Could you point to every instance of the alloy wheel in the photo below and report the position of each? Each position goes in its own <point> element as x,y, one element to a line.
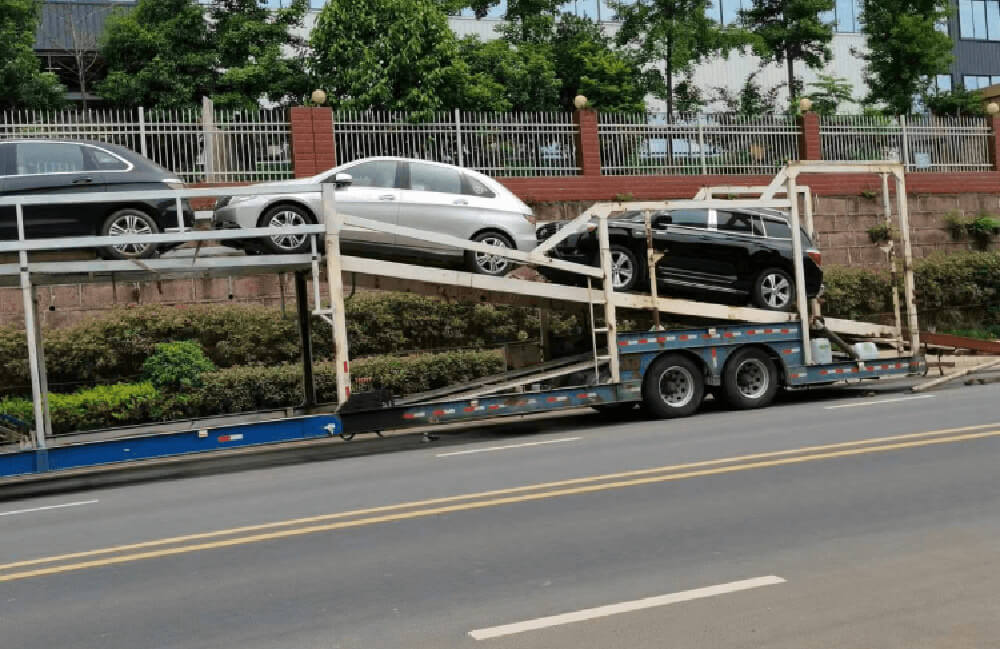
<point>776,290</point>
<point>622,269</point>
<point>284,219</point>
<point>130,224</point>
<point>752,378</point>
<point>676,386</point>
<point>492,264</point>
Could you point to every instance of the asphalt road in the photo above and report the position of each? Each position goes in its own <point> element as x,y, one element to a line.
<point>868,522</point>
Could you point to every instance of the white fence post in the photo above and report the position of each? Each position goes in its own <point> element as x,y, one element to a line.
<point>701,144</point>
<point>142,132</point>
<point>458,137</point>
<point>208,131</point>
<point>906,144</point>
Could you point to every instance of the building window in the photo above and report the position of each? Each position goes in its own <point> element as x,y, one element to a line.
<point>846,16</point>
<point>942,83</point>
<point>979,19</point>
<point>979,81</point>
<point>727,12</point>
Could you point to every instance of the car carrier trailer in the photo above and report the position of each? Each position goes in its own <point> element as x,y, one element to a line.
<point>746,356</point>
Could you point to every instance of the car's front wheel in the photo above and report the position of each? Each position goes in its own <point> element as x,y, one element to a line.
<point>285,216</point>
<point>129,222</point>
<point>625,269</point>
<point>774,290</point>
<point>485,263</point>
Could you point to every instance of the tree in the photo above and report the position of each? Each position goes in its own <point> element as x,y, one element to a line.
<point>829,93</point>
<point>906,50</point>
<point>385,54</point>
<point>788,31</point>
<point>586,63</point>
<point>751,100</point>
<point>527,20</point>
<point>505,77</point>
<point>669,36</point>
<point>248,39</point>
<point>688,98</point>
<point>22,82</point>
<point>159,55</point>
<point>957,102</point>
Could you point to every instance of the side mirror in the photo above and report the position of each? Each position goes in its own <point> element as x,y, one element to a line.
<point>343,180</point>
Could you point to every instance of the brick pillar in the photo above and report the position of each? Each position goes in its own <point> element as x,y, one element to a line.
<point>313,148</point>
<point>995,141</point>
<point>588,145</point>
<point>810,146</point>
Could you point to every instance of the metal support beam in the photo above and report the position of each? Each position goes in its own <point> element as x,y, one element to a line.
<point>887,208</point>
<point>335,283</point>
<point>801,302</point>
<point>36,352</point>
<point>305,334</point>
<point>610,316</point>
<point>651,258</point>
<point>909,291</point>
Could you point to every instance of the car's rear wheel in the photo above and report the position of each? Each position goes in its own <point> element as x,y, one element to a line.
<point>774,290</point>
<point>750,379</point>
<point>286,216</point>
<point>129,221</point>
<point>673,386</point>
<point>485,263</point>
<point>625,270</point>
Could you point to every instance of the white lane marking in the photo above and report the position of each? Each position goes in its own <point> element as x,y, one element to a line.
<point>47,508</point>
<point>624,607</point>
<point>504,448</point>
<point>880,401</point>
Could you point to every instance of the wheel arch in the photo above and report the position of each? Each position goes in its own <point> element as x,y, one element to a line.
<point>779,362</point>
<point>146,208</point>
<point>495,230</point>
<point>289,202</point>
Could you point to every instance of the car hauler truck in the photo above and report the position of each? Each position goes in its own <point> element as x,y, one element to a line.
<point>742,354</point>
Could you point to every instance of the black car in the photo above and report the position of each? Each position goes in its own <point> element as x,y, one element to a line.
<point>40,166</point>
<point>707,253</point>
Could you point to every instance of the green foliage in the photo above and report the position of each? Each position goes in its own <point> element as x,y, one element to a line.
<point>957,224</point>
<point>751,100</point>
<point>248,37</point>
<point>670,36</point>
<point>386,55</point>
<point>115,345</point>
<point>99,407</point>
<point>880,233</point>
<point>905,50</point>
<point>242,389</point>
<point>982,229</point>
<point>958,102</point>
<point>22,82</point>
<point>688,98</point>
<point>830,92</point>
<point>788,31</point>
<point>503,77</point>
<point>176,366</point>
<point>159,55</point>
<point>986,333</point>
<point>869,194</point>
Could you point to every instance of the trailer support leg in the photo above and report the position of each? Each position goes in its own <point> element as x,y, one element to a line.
<point>36,353</point>
<point>610,315</point>
<point>305,334</point>
<point>887,208</point>
<point>335,283</point>
<point>908,285</point>
<point>801,302</point>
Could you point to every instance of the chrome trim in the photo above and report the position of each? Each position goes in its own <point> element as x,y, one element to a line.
<point>707,287</point>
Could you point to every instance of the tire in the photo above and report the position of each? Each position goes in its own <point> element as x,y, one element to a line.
<point>774,290</point>
<point>129,220</point>
<point>626,273</point>
<point>674,386</point>
<point>486,264</point>
<point>750,379</point>
<point>282,216</point>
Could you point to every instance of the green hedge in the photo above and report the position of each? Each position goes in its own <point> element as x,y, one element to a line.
<point>953,291</point>
<point>114,346</point>
<point>242,389</point>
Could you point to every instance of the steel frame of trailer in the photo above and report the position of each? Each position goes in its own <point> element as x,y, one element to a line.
<point>628,355</point>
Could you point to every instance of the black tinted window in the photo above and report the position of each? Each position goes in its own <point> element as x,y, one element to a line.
<point>432,178</point>
<point>781,230</point>
<point>377,173</point>
<point>48,157</point>
<point>7,166</point>
<point>690,218</point>
<point>737,222</point>
<point>473,187</point>
<point>100,160</point>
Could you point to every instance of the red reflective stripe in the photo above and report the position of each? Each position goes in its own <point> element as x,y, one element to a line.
<point>409,416</point>
<point>727,335</point>
<point>494,407</point>
<point>438,412</point>
<point>661,340</point>
<point>713,352</point>
<point>622,343</point>
<point>785,331</point>
<point>786,351</point>
<point>469,409</point>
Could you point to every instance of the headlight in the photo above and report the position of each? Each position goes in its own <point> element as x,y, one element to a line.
<point>173,183</point>
<point>233,200</point>
<point>222,202</point>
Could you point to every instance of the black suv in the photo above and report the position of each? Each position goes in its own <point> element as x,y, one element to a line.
<point>707,253</point>
<point>37,166</point>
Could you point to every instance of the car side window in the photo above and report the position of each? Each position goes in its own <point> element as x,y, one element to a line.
<point>100,160</point>
<point>778,229</point>
<point>432,178</point>
<point>377,173</point>
<point>48,157</point>
<point>689,218</point>
<point>7,160</point>
<point>473,187</point>
<point>735,222</point>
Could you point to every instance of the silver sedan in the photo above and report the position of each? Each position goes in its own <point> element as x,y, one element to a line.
<point>398,191</point>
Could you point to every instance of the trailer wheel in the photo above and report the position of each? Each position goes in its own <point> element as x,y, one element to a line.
<point>750,379</point>
<point>673,387</point>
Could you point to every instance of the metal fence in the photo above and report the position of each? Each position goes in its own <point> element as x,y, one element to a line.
<point>496,144</point>
<point>923,143</point>
<point>199,146</point>
<point>720,143</point>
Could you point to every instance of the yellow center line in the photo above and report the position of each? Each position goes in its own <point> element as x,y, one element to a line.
<point>494,502</point>
<point>482,494</point>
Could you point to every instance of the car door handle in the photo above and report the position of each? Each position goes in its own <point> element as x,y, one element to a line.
<point>460,201</point>
<point>387,197</point>
<point>83,180</point>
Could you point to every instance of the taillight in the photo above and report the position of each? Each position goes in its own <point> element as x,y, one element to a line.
<point>816,256</point>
